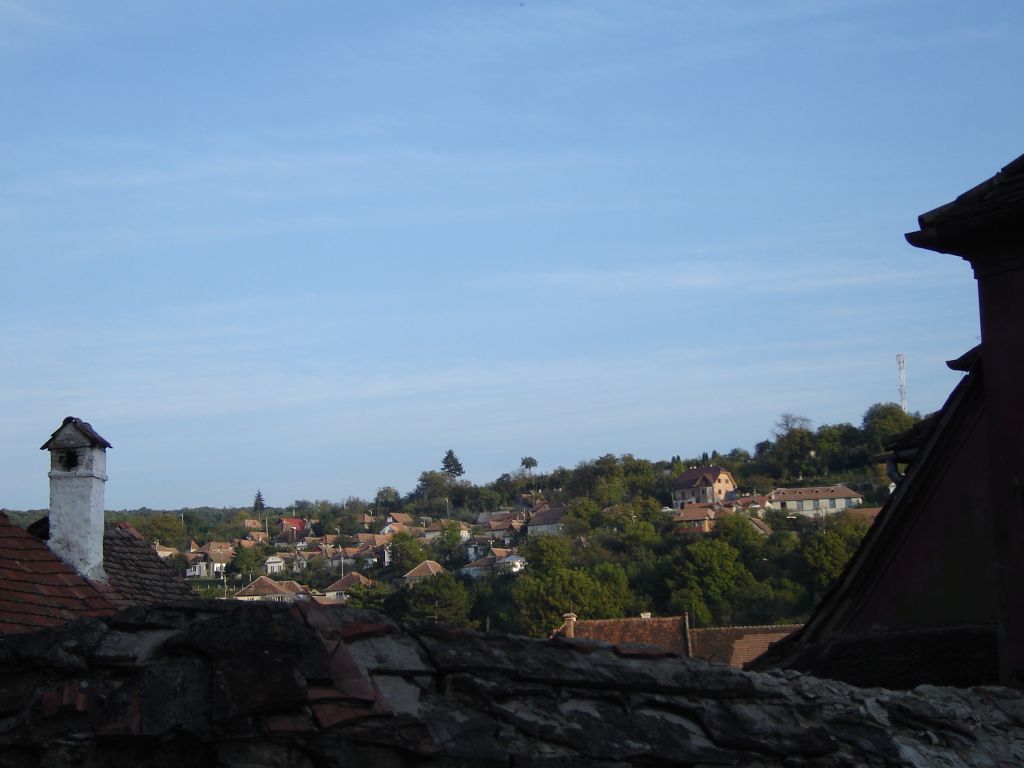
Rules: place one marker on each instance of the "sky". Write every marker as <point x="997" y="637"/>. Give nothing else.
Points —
<point x="309" y="247"/>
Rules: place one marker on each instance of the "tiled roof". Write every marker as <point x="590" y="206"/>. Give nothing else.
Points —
<point x="372" y="539"/>
<point x="667" y="633"/>
<point x="865" y="513"/>
<point x="816" y="492"/>
<point x="736" y="646"/>
<point x="550" y="516"/>
<point x="261" y="587"/>
<point x="695" y="512"/>
<point x="425" y="569"/>
<point x="697" y="476"/>
<point x="38" y="590"/>
<point x="977" y="217"/>
<point x="137" y="573"/>
<point x="84" y="428"/>
<point x="349" y="580"/>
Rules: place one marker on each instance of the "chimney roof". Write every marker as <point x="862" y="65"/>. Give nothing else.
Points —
<point x="84" y="428"/>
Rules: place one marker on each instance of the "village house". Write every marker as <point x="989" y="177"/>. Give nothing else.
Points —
<point x="401" y="518"/>
<point x="264" y="588"/>
<point x="546" y="520"/>
<point x="339" y="589"/>
<point x="498" y="561"/>
<point x="817" y="500"/>
<point x="703" y="485"/>
<point x="703" y="517"/>
<point x="292" y="530"/>
<point x="424" y="570"/>
<point x="274" y="565"/>
<point x="698" y="517"/>
<point x="435" y="529"/>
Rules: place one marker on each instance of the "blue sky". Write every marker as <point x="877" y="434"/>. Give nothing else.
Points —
<point x="308" y="247"/>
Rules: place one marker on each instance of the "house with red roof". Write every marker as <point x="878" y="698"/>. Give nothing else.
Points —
<point x="293" y="529"/>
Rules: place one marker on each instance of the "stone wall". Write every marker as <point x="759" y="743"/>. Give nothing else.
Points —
<point x="230" y="684"/>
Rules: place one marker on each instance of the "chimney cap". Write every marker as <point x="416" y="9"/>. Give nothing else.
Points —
<point x="83" y="428"/>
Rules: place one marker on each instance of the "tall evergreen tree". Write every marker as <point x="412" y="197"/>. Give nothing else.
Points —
<point x="451" y="466"/>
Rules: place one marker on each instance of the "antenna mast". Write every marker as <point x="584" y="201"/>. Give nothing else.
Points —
<point x="901" y="363"/>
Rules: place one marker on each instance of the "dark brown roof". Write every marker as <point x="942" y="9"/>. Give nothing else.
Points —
<point x="84" y="428"/>
<point x="697" y="476"/>
<point x="38" y="590"/>
<point x="979" y="218"/>
<point x="550" y="516"/>
<point x="136" y="572"/>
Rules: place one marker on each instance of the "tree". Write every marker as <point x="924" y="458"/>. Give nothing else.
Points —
<point x="388" y="499"/>
<point x="246" y="560"/>
<point x="406" y="552"/>
<point x="545" y="554"/>
<point x="788" y="422"/>
<point x="440" y="598"/>
<point x="451" y="466"/>
<point x="431" y="485"/>
<point x="374" y="596"/>
<point x="883" y="420"/>
<point x="528" y="463"/>
<point x="448" y="545"/>
<point x="793" y="451"/>
<point x="827" y="551"/>
<point x="542" y="600"/>
<point x="257" y="504"/>
<point x="714" y="583"/>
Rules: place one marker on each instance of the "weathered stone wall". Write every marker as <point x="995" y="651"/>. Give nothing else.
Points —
<point x="229" y="684"/>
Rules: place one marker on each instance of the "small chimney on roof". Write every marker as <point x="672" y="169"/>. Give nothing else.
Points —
<point x="78" y="466"/>
<point x="569" y="624"/>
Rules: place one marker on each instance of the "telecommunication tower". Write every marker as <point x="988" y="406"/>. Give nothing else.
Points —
<point x="902" y="364"/>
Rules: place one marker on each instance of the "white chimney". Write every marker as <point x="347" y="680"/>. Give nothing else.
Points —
<point x="78" y="467"/>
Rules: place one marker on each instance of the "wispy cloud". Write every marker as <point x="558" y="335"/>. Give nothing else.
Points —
<point x="731" y="279"/>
